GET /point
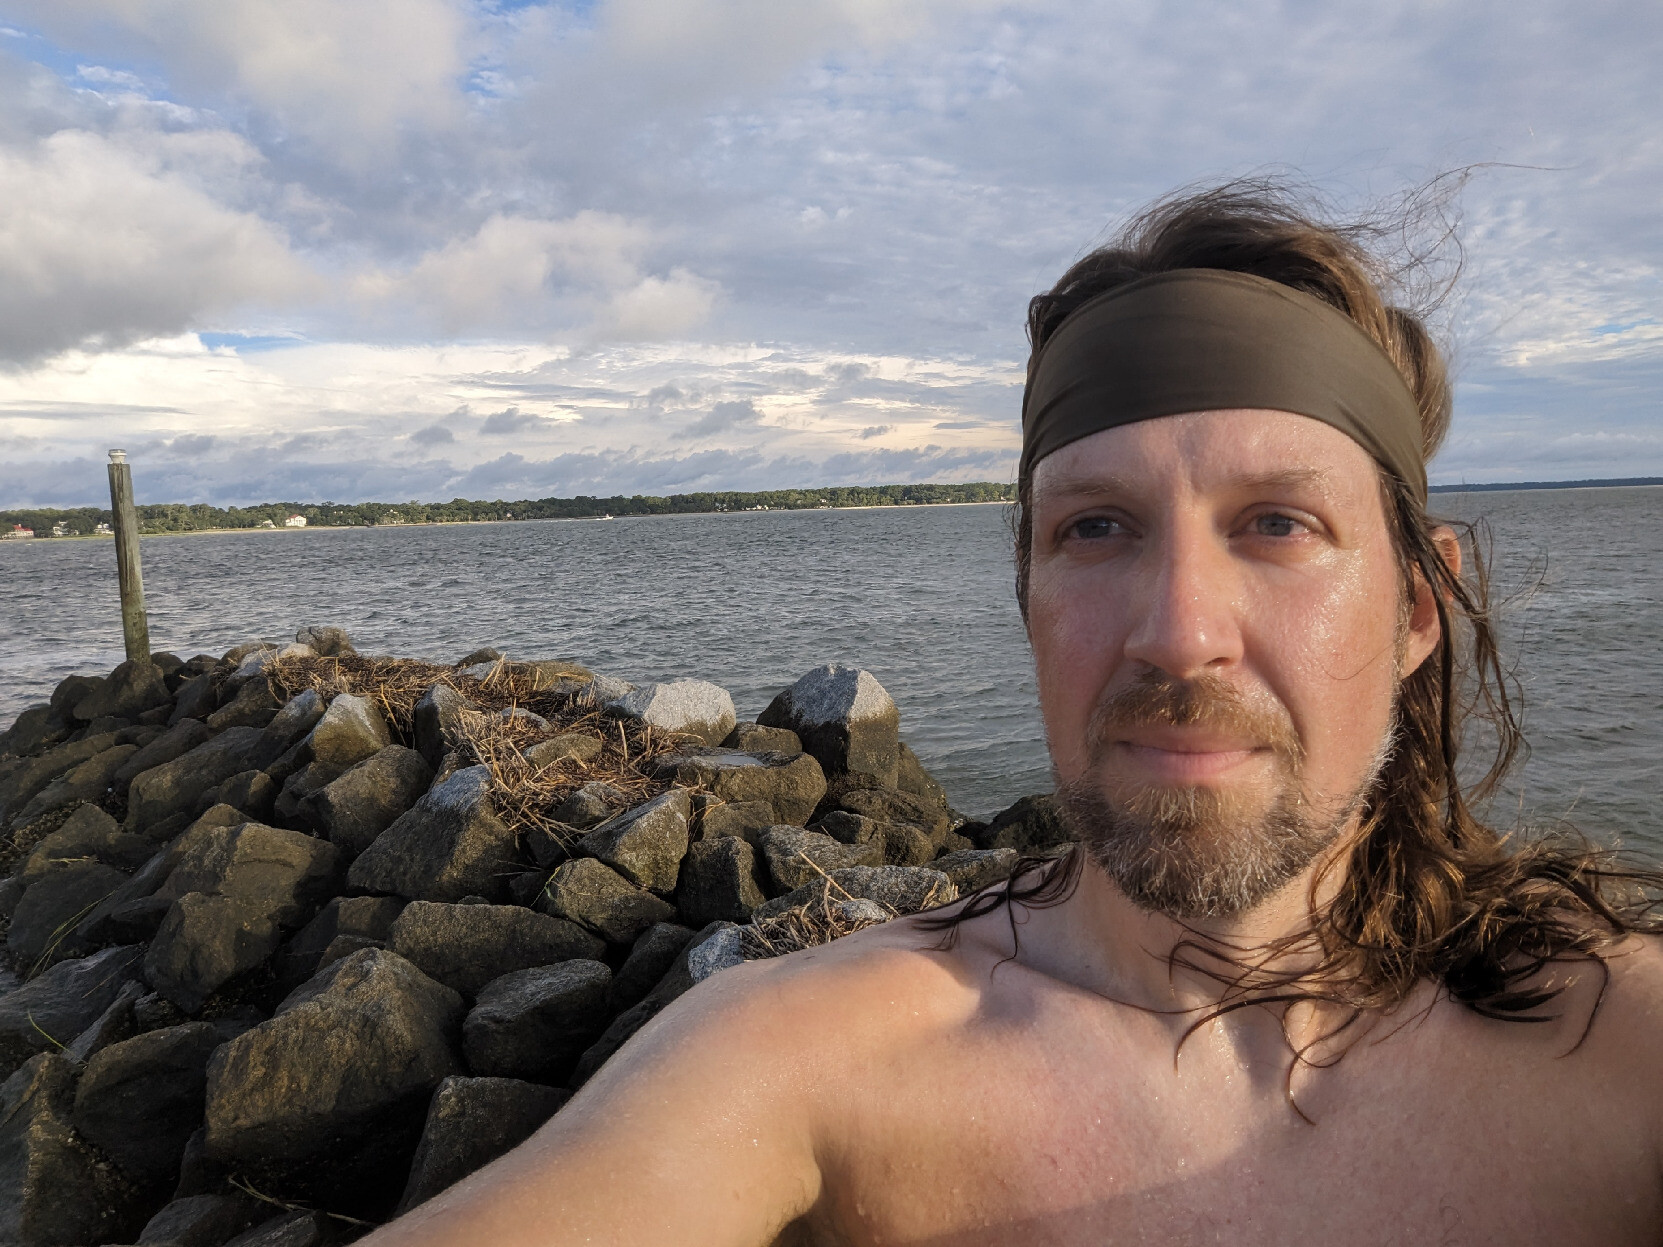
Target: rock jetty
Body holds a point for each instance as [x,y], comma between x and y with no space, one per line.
[295,938]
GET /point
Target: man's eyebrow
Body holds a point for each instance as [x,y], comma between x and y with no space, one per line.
[1083,484]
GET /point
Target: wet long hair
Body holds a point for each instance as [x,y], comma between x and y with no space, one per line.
[1426,890]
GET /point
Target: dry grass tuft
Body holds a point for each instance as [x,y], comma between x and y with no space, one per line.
[524,795]
[831,915]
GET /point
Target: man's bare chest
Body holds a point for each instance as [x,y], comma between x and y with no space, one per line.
[1080,1139]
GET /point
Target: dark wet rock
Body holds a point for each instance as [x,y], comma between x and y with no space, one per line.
[111,1027]
[905,844]
[344,1049]
[253,706]
[89,781]
[301,1228]
[126,915]
[912,779]
[202,1220]
[1031,825]
[294,804]
[69,693]
[645,844]
[904,889]
[551,846]
[326,641]
[172,789]
[22,779]
[649,961]
[53,1188]
[343,946]
[525,887]
[11,892]
[793,856]
[438,715]
[153,1011]
[890,805]
[695,708]
[466,946]
[52,905]
[593,895]
[578,746]
[792,784]
[593,803]
[234,892]
[369,917]
[471,1122]
[174,742]
[351,730]
[355,808]
[141,1099]
[971,870]
[720,880]
[252,792]
[676,980]
[754,738]
[88,833]
[29,733]
[450,844]
[535,1023]
[195,699]
[845,718]
[132,688]
[744,819]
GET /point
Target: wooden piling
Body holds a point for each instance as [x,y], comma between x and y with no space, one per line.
[135,628]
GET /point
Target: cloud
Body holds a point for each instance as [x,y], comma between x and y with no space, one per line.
[102,245]
[509,421]
[725,416]
[874,430]
[433,435]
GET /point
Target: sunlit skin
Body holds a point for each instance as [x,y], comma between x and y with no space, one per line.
[882,1090]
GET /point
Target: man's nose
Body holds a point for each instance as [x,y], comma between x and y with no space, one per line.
[1186,616]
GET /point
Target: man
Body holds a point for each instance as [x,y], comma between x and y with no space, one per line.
[1278,994]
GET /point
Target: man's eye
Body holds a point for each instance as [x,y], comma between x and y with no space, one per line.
[1276,525]
[1094,526]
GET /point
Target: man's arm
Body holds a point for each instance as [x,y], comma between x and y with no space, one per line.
[700,1131]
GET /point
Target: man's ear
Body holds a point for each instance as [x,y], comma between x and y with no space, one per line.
[1425,631]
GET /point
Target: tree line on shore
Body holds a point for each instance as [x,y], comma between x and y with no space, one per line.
[197,517]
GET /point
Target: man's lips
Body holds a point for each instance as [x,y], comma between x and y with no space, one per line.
[1178,756]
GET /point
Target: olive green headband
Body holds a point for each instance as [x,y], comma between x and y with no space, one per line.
[1202,339]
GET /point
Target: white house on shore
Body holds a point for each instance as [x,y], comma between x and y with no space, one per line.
[18,533]
[295,521]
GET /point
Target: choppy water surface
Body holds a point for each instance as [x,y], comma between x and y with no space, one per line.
[919,595]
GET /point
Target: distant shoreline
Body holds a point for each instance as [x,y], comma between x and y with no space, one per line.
[1504,486]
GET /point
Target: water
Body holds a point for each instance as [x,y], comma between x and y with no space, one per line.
[921,596]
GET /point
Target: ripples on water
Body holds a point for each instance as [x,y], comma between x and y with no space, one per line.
[921,596]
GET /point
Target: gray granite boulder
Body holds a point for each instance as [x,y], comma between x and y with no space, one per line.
[644,844]
[131,689]
[649,960]
[294,722]
[593,895]
[300,1228]
[369,918]
[110,1027]
[722,949]
[53,1188]
[88,833]
[845,718]
[720,881]
[201,1220]
[466,946]
[744,819]
[195,699]
[253,792]
[141,1099]
[449,845]
[684,707]
[345,1048]
[437,717]
[351,730]
[971,870]
[22,779]
[170,791]
[471,1122]
[326,641]
[754,738]
[577,746]
[792,784]
[357,806]
[49,1011]
[795,857]
[29,733]
[593,803]
[88,781]
[234,892]
[1032,825]
[45,918]
[891,805]
[175,742]
[255,705]
[534,1024]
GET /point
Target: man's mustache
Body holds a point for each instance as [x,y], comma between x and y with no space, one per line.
[1156,698]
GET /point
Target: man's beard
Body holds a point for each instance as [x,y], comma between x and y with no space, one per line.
[1196,852]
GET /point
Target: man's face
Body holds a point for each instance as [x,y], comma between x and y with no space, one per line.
[1218,627]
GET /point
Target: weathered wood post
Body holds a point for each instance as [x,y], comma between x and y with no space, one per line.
[135,629]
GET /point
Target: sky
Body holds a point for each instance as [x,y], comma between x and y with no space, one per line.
[311,250]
